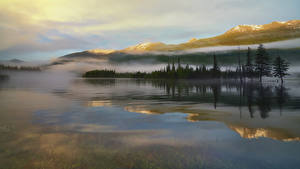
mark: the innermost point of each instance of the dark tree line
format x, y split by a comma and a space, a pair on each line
19, 68
258, 68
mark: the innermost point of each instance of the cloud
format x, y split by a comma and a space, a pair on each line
46, 25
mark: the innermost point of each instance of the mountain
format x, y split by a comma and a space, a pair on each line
16, 61
239, 35
156, 46
277, 32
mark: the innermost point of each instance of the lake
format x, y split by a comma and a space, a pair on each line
56, 120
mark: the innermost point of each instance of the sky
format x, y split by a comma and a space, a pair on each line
46, 29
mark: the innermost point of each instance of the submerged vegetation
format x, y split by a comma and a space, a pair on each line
261, 67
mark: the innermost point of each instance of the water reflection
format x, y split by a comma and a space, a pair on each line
130, 123
255, 96
255, 133
98, 103
252, 94
230, 102
281, 96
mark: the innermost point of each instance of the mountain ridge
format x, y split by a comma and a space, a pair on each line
238, 35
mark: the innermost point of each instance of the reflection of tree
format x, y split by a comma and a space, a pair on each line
240, 98
264, 101
101, 82
201, 89
168, 89
173, 90
179, 91
281, 96
216, 89
249, 94
3, 77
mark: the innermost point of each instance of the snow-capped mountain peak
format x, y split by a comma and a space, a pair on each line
252, 27
293, 24
145, 46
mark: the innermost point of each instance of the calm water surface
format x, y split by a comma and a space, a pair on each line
56, 120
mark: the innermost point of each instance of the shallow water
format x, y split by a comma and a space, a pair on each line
56, 120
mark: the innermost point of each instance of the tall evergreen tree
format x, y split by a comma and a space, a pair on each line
197, 68
187, 67
280, 68
262, 66
179, 68
168, 66
249, 66
216, 68
173, 66
215, 64
240, 66
203, 69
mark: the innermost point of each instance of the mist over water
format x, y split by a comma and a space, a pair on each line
147, 62
57, 114
136, 123
171, 94
83, 66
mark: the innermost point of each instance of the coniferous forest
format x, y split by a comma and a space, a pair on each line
257, 66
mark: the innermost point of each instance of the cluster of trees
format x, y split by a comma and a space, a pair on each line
262, 66
173, 71
19, 68
100, 73
113, 74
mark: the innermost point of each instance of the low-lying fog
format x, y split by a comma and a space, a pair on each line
80, 68
150, 65
81, 65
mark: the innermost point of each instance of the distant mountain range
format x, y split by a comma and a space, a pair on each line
12, 62
16, 61
239, 35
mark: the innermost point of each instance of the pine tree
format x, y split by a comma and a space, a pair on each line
168, 66
187, 67
280, 68
249, 65
215, 66
240, 66
179, 68
262, 66
173, 66
215, 69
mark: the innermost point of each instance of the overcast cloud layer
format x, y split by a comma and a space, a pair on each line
44, 29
